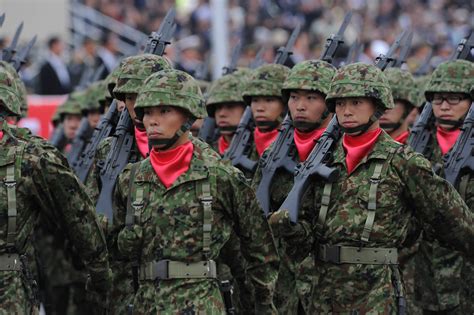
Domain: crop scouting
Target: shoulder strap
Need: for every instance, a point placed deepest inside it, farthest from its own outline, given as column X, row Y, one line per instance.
column 204, row 193
column 13, row 173
column 129, row 218
column 323, row 211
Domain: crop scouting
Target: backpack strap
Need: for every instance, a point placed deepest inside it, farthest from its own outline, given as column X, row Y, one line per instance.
column 204, row 193
column 129, row 218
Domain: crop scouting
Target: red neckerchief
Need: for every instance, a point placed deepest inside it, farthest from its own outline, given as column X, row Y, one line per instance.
column 222, row 144
column 264, row 139
column 1, row 135
column 357, row 147
column 142, row 142
column 170, row 164
column 402, row 138
column 447, row 138
column 305, row 141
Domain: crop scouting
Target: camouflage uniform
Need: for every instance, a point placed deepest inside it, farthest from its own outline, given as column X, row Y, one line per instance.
column 186, row 229
column 39, row 185
column 356, row 257
column 439, row 269
column 132, row 72
column 293, row 288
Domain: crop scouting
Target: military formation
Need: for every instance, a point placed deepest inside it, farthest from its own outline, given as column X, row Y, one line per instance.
column 326, row 188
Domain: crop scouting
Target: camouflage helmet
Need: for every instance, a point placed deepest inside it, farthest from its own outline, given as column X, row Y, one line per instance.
column 456, row 76
column 227, row 89
column 111, row 81
column 171, row 87
column 22, row 93
column 310, row 75
column 266, row 80
column 360, row 80
column 134, row 70
column 72, row 106
column 402, row 84
column 421, row 83
column 94, row 95
column 9, row 94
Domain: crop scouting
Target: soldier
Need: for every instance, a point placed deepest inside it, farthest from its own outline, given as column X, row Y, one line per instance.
column 226, row 105
column 396, row 121
column 304, row 90
column 92, row 108
column 39, row 185
column 263, row 94
column 176, row 209
column 70, row 116
column 355, row 239
column 439, row 268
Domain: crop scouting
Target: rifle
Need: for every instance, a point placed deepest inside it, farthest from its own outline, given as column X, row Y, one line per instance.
column 317, row 162
column 58, row 139
column 8, row 52
column 384, row 61
column 404, row 50
column 19, row 59
column 420, row 134
column 2, row 19
column 242, row 141
column 208, row 132
column 258, row 61
column 80, row 140
column 121, row 147
column 461, row 157
column 281, row 155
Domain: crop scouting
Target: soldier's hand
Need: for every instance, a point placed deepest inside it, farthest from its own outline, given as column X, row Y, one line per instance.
column 280, row 222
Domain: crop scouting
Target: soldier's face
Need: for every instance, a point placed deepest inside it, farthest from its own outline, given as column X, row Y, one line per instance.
column 394, row 115
column 228, row 115
column 306, row 106
column 71, row 124
column 130, row 99
column 448, row 111
column 353, row 112
column 162, row 122
column 266, row 108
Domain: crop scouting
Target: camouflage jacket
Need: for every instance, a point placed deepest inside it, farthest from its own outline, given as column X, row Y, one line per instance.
column 406, row 182
column 45, row 188
column 168, row 224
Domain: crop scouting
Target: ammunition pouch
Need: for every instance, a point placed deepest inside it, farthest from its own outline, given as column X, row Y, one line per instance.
column 10, row 262
column 337, row 254
column 169, row 269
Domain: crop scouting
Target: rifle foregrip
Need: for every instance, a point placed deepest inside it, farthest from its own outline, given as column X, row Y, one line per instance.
column 293, row 200
column 263, row 192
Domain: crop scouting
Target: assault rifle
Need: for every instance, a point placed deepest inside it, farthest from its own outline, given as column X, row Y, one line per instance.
column 258, row 61
column 58, row 138
column 2, row 19
column 317, row 162
column 122, row 143
column 208, row 132
column 19, row 59
column 242, row 141
column 404, row 50
column 7, row 53
column 461, row 157
column 281, row 156
column 420, row 134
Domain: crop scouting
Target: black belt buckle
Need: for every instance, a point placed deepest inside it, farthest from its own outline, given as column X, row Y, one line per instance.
column 162, row 269
column 331, row 254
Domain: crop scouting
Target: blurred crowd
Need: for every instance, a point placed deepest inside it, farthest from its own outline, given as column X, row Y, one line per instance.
column 438, row 25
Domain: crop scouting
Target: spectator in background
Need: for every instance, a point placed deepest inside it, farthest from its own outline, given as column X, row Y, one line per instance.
column 107, row 53
column 53, row 76
column 189, row 56
column 85, row 58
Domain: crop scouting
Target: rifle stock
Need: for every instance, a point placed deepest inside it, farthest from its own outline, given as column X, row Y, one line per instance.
column 58, row 139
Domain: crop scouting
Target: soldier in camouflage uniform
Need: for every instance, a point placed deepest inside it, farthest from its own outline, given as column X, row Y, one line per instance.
column 355, row 239
column 304, row 90
column 39, row 185
column 92, row 107
column 263, row 94
column 396, row 121
column 133, row 72
column 226, row 105
column 439, row 268
column 176, row 209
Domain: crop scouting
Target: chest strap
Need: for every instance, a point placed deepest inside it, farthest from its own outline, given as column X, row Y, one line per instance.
column 129, row 217
column 323, row 211
column 372, row 204
column 169, row 269
column 357, row 255
column 10, row 184
column 204, row 193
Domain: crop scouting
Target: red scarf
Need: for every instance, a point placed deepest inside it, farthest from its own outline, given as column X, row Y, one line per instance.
column 305, row 141
column 264, row 139
column 357, row 147
column 403, row 137
column 142, row 142
column 222, row 144
column 170, row 164
column 447, row 138
column 1, row 135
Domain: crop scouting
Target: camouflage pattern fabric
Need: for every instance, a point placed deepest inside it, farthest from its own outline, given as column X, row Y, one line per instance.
column 134, row 70
column 10, row 93
column 227, row 89
column 420, row 86
column 94, row 95
column 186, row 93
column 47, row 189
column 151, row 238
column 403, row 85
column 360, row 80
column 266, row 80
column 455, row 76
column 22, row 94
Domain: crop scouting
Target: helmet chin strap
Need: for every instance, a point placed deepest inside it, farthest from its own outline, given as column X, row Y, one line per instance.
column 455, row 124
column 307, row 126
column 232, row 129
column 268, row 124
column 363, row 128
column 391, row 126
column 165, row 144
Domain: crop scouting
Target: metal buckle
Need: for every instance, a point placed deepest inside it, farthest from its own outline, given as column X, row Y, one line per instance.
column 9, row 183
column 331, row 254
column 161, row 269
column 206, row 201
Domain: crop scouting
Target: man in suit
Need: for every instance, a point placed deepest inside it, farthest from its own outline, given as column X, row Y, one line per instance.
column 54, row 77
